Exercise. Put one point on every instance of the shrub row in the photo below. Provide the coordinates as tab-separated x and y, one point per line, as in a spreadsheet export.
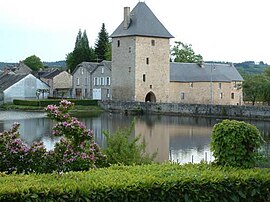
167	182
44	103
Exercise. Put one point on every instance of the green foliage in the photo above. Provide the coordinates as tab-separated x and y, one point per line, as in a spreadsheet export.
34	63
236	143
122	148
81	53
249	67
254	87
167	182
184	53
44	103
103	45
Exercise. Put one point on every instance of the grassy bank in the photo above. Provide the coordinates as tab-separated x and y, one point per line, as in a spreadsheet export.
77	110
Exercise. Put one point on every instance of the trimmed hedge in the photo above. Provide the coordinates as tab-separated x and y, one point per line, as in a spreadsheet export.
167	182
44	103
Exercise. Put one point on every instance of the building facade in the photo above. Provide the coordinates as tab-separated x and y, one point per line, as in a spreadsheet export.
22	86
92	81
141	68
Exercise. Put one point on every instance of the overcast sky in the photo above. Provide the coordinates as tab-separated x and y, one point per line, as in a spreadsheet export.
219	30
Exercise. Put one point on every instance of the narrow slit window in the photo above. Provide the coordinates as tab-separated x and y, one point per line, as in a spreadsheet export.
118	43
144	78
147	61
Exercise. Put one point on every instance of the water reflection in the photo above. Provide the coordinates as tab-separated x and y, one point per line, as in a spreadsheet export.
181	139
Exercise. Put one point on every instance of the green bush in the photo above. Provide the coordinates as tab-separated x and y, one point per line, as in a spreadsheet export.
122	148
236	143
167	182
44	103
26	102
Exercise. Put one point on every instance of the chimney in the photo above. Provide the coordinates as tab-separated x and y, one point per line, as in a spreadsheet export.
126	17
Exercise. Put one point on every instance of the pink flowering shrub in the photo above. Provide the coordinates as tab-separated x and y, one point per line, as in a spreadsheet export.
16	156
76	150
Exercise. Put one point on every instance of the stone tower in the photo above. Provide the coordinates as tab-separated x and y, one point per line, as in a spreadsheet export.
140	57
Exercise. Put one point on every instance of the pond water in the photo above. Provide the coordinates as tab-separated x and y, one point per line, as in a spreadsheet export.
176	138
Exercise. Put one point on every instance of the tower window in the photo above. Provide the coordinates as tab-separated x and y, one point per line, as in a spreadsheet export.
151	86
153	42
219	85
143	77
147	61
129	49
221	95
232	95
182	95
118	43
129	69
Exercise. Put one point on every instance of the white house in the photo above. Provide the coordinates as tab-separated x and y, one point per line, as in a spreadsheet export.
21	86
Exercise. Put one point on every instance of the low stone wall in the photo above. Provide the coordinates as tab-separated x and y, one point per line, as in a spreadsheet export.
223	111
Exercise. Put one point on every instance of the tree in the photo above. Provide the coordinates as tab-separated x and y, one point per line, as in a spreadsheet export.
184	53
103	45
253	87
34	63
81	53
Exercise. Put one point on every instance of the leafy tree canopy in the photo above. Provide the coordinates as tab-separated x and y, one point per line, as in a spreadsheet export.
82	52
34	63
182	52
103	45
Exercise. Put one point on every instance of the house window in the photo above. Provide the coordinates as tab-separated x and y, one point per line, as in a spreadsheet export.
147	61
108	81
108	92
143	77
234	84
78	81
85	93
219	85
102	70
129	49
118	43
221	95
85	81
232	95
191	84
129	69
82	71
182	95
95	81
101	81
153	42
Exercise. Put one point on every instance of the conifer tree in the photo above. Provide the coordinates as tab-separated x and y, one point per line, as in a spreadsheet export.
81	53
103	45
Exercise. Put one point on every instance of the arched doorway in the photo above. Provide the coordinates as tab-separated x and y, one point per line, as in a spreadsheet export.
150	97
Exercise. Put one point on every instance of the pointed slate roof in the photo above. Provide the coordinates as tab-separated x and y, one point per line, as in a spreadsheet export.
143	23
193	72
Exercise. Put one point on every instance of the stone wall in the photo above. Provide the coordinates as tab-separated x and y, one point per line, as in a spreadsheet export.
218	93
222	111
